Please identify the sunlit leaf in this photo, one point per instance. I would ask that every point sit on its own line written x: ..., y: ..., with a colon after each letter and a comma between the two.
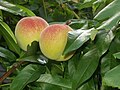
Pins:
x: 110, y: 23
x: 15, y: 9
x: 76, y: 39
x: 109, y: 11
x: 9, y: 37
x: 93, y: 34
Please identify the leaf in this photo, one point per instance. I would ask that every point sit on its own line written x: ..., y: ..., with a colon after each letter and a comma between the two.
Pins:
x: 27, y: 11
x: 76, y: 39
x: 109, y: 11
x: 72, y: 64
x: 117, y: 55
x: 39, y: 59
x: 106, y: 63
x: 15, y: 9
x: 9, y: 31
x: 9, y: 37
x: 34, y: 88
x: 109, y: 61
x: 5, y: 53
x: 86, y: 67
x: 103, y: 41
x: 50, y: 87
x: 86, y: 4
x: 29, y: 74
x: 110, y: 23
x: 93, y: 34
x: 78, y: 23
x: 112, y: 77
x: 90, y: 85
x: 89, y: 61
x: 55, y: 80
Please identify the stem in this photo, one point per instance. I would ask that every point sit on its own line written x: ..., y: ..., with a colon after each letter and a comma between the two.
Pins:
x: 45, y: 12
x: 76, y: 15
x: 11, y: 70
x: 3, y: 85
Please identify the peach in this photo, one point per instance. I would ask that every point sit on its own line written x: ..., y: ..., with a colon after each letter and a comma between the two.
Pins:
x: 28, y: 29
x: 53, y: 41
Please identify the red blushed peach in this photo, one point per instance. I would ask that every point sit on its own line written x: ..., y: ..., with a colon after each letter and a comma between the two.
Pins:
x: 28, y: 29
x: 53, y: 41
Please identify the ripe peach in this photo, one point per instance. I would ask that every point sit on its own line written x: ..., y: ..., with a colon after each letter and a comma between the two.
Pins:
x: 28, y: 29
x: 53, y: 41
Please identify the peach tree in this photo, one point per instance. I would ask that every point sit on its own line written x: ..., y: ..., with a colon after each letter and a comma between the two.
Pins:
x: 59, y: 44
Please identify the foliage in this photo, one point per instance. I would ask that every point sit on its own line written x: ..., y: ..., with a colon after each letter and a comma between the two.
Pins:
x: 95, y: 40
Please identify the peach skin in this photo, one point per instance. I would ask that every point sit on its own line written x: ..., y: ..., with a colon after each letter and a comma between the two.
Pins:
x: 28, y: 29
x: 53, y: 41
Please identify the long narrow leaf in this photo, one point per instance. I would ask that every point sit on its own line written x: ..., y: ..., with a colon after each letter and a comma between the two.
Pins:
x: 9, y: 37
x: 15, y: 9
x: 7, y: 54
x: 110, y: 23
x: 109, y: 11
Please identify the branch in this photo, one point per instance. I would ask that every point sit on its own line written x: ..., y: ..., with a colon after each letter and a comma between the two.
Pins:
x: 11, y: 70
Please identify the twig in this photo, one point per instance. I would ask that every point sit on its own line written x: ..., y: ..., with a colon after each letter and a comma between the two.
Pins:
x: 11, y: 70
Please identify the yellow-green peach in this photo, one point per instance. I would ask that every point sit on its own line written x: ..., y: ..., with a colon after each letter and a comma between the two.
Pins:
x: 53, y: 41
x: 28, y: 29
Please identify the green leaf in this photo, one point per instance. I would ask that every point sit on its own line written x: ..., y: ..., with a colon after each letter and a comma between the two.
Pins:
x: 76, y: 39
x: 32, y: 59
x: 27, y: 11
x: 106, y: 63
x: 90, y: 85
x: 32, y: 49
x: 5, y: 53
x: 86, y: 67
x: 86, y: 4
x: 34, y: 88
x: 50, y: 87
x: 55, y: 80
x: 103, y: 41
x: 89, y: 61
x: 72, y: 64
x: 109, y: 11
x: 93, y: 34
x: 112, y: 77
x: 8, y: 30
x: 78, y: 23
x: 39, y: 59
x: 117, y: 55
x: 9, y: 37
x: 15, y: 9
x: 110, y: 23
x: 29, y: 74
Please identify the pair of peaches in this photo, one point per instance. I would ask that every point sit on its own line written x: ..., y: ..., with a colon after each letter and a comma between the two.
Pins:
x: 52, y: 38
